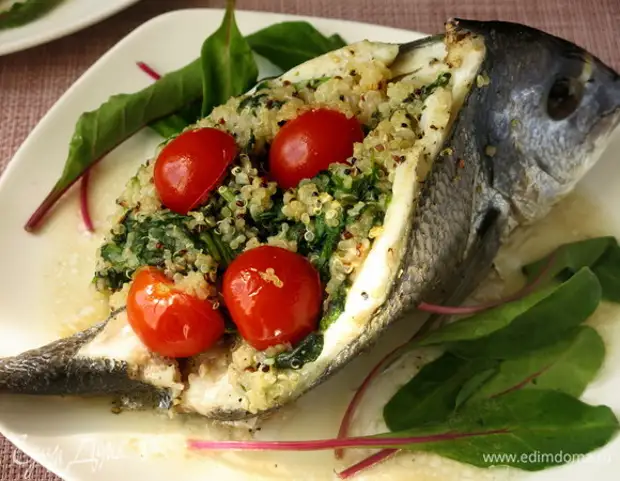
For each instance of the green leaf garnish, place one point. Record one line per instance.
(601, 254)
(529, 422)
(430, 396)
(101, 130)
(228, 65)
(567, 365)
(24, 12)
(289, 44)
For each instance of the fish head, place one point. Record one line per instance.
(548, 113)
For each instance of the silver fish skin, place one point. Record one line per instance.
(517, 146)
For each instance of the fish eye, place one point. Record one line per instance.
(564, 97)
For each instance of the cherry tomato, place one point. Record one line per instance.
(273, 296)
(169, 321)
(308, 144)
(190, 166)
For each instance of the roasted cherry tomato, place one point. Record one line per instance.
(190, 166)
(273, 296)
(311, 142)
(169, 321)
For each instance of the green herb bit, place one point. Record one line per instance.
(144, 242)
(424, 92)
(274, 104)
(335, 308)
(212, 247)
(251, 143)
(264, 83)
(227, 194)
(308, 350)
(251, 101)
(296, 232)
(327, 237)
(224, 249)
(312, 84)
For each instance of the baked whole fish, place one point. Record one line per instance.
(466, 136)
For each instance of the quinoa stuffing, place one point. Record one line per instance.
(331, 219)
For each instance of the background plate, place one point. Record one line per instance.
(69, 17)
(50, 275)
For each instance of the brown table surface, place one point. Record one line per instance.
(32, 80)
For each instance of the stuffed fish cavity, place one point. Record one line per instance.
(360, 204)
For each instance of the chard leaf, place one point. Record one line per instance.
(487, 322)
(566, 307)
(335, 308)
(531, 421)
(169, 126)
(570, 257)
(607, 269)
(337, 41)
(472, 385)
(289, 44)
(228, 65)
(529, 323)
(25, 12)
(430, 396)
(569, 366)
(99, 131)
(601, 254)
(174, 124)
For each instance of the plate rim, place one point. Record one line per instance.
(18, 440)
(43, 38)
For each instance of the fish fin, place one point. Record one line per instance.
(477, 265)
(481, 253)
(421, 43)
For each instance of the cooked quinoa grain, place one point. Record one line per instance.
(332, 219)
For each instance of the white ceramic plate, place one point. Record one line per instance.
(45, 283)
(69, 17)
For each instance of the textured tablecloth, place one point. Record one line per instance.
(32, 80)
